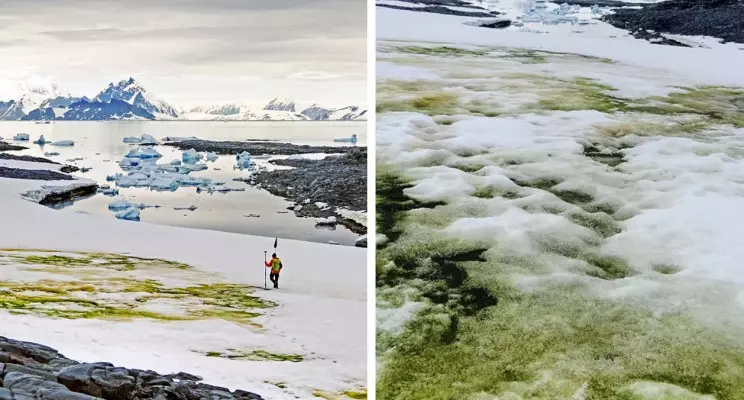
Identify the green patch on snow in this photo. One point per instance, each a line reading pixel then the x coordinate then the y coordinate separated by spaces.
pixel 720 104
pixel 666 269
pixel 432 103
pixel 485 192
pixel 360 394
pixel 608 267
pixel 526 56
pixel 391 201
pixel 581 94
pixel 599 222
pixel 441 51
pixel 547 345
pixel 114 287
pixel 572 196
pixel 255 355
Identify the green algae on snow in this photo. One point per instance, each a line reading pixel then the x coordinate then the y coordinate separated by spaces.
pixel 549 345
pixel 104 287
pixel 255 355
pixel 443 51
pixel 558 339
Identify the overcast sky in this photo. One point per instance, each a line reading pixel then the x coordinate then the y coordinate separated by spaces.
pixel 189 52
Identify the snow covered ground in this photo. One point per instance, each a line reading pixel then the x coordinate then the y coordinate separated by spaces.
pixel 562 215
pixel 189 313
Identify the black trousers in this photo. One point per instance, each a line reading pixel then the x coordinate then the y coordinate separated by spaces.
pixel 274 278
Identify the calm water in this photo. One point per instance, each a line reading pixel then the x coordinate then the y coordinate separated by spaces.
pixel 100 146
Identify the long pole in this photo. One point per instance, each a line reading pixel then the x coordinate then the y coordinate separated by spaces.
pixel 265 288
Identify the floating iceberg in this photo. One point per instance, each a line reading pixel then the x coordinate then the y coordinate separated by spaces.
pixel 191 156
pixel 108 191
pixel 21 137
pixel 326 221
pixel 129 214
pixel 120 204
pixel 143 152
pixel 64 143
pixel 352 139
pixel 41 140
pixel 145 139
pixel 127 162
pixel 164 183
pixel 218 187
pixel 149 139
pixel 244 160
pixel 175 162
pixel 212 156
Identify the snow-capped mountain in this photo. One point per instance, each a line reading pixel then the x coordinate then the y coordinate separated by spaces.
pixel 133 93
pixel 350 113
pixel 234 112
pixel 128 99
pixel 278 104
pixel 34 96
pixel 85 110
pixel 276 109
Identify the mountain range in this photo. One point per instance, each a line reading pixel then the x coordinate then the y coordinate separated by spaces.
pixel 129 100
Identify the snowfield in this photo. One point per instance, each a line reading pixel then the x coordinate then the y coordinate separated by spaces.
pixel 173 299
pixel 561 218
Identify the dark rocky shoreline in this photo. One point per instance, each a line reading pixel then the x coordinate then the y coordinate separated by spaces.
pixel 722 19
pixel 255 148
pixel 339 181
pixel 10 147
pixel 30 371
pixel 51 199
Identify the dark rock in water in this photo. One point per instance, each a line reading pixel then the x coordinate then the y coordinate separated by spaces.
pixel 5 156
pixel 76 193
pixel 35 372
pixel 10 147
pixel 69 169
pixel 722 19
pixel 498 24
pixel 37 175
pixel 255 148
pixel 602 3
pixel 480 13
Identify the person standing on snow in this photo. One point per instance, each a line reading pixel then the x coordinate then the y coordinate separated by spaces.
pixel 276 265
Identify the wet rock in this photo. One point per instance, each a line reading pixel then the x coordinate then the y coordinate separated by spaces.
pixel 10 147
pixel 6 156
pixel 37 175
pixel 446 7
pixel 255 148
pixel 36 372
pixel 497 24
pixel 76 193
